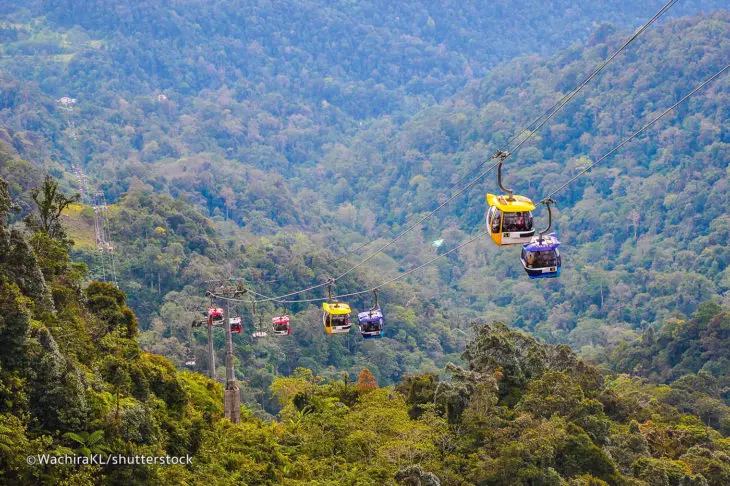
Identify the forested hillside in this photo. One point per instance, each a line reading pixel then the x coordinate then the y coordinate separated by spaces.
pixel 642 242
pixel 644 232
pixel 263 141
pixel 74 381
pixel 256 84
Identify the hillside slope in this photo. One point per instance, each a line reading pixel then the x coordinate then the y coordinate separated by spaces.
pixel 619 278
pixel 74 382
pixel 642 233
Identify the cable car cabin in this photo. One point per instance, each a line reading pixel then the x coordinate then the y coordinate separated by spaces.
pixel 281 325
pixel 336 317
pixel 542 259
pixel 235 323
pixel 215 316
pixel 371 324
pixel 510 222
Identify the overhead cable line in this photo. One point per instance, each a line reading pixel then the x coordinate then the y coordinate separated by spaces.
pixel 546 116
pixel 552 112
pixel 279 298
pixel 353 251
pixel 566 99
pixel 500 155
pixel 416 224
pixel 636 133
pixel 370 289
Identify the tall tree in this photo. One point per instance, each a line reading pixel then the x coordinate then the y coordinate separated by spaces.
pixel 51 203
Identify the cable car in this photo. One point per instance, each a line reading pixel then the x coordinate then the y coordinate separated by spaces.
pixel 541 257
pixel 336 317
pixel 260 333
pixel 215 316
pixel 235 323
pixel 509 220
pixel 371 323
pixel 281 325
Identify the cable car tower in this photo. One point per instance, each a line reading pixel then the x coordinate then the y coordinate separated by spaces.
pixel 103 241
pixel 218 316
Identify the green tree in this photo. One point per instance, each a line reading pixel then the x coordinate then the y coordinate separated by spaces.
pixel 88 444
pixel 51 203
pixel 107 302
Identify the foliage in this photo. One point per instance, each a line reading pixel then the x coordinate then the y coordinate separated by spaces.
pixel 225 179
pixel 51 203
pixel 222 160
pixel 520 412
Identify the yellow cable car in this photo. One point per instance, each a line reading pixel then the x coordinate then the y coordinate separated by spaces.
pixel 509 220
pixel 336 317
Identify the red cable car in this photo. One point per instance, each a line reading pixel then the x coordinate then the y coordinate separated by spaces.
pixel 215 316
pixel 281 325
pixel 235 323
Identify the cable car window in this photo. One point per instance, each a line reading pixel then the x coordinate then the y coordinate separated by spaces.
pixel 545 259
pixel 519 221
pixel 342 320
pixel 371 326
pixel 496 220
pixel 529 257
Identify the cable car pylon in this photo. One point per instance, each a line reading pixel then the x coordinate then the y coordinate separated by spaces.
pixel 217 316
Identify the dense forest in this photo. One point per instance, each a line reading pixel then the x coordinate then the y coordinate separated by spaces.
pixel 74 380
pixel 265 141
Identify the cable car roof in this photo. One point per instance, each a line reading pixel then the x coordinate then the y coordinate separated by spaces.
pixel 549 242
pixel 369 316
pixel 336 308
pixel 520 204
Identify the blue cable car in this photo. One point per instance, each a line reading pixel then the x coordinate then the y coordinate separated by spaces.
pixel 541 257
pixel 371 322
